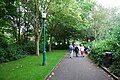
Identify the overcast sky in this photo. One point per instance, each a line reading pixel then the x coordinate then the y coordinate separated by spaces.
pixel 109 3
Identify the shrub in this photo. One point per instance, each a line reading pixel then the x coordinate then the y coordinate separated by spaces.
pixel 3 55
pixel 28 48
pixel 3 41
pixel 14 52
pixel 111 43
pixel 115 68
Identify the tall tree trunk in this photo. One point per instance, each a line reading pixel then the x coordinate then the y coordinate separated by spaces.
pixel 37 35
pixel 24 36
pixel 37 38
pixel 19 34
pixel 37 45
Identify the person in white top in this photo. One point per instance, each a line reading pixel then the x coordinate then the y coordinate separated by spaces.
pixel 71 50
pixel 82 50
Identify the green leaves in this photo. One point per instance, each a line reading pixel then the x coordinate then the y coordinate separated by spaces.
pixel 102 21
pixel 66 17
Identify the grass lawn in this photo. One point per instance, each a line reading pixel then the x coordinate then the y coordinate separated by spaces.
pixel 29 68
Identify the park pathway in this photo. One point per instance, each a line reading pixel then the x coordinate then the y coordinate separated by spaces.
pixel 78 68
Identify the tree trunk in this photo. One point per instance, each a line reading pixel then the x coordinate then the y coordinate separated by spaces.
pixel 37 44
pixel 18 35
pixel 24 38
pixel 37 35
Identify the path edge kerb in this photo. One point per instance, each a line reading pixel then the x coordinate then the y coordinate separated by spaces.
pixel 55 67
pixel 106 70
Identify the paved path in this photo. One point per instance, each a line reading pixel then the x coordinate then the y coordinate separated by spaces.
pixel 80 68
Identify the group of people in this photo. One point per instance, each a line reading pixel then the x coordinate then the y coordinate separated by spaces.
pixel 77 49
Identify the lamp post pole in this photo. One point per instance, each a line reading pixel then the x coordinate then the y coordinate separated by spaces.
pixel 44 30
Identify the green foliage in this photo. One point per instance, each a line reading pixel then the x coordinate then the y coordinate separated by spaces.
pixel 14 52
pixel 102 21
pixel 65 23
pixel 111 43
pixel 3 41
pixel 28 47
pixel 100 47
pixel 97 52
pixel 10 53
pixel 3 55
pixel 115 68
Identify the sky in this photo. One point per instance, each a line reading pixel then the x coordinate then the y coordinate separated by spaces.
pixel 109 3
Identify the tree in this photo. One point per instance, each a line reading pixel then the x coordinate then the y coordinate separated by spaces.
pixel 43 7
pixel 102 21
pixel 66 23
pixel 65 19
pixel 7 14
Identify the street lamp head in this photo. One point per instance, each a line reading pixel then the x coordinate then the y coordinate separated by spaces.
pixel 43 15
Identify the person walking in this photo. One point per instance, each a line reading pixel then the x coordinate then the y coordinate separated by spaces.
pixel 77 49
pixel 88 50
pixel 82 50
pixel 71 50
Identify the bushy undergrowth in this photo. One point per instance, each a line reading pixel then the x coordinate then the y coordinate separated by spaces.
pixel 14 52
pixel 111 44
pixel 3 41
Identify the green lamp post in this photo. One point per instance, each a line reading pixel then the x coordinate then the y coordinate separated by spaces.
pixel 44 30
